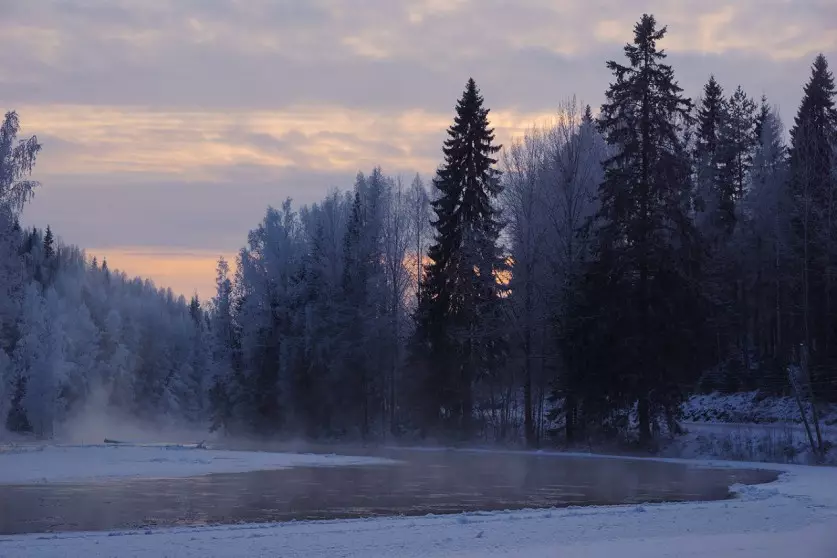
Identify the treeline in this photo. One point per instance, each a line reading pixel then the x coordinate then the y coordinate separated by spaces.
pixel 587 278
pixel 581 281
pixel 72 331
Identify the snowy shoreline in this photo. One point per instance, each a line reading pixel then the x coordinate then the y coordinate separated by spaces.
pixel 795 515
pixel 74 463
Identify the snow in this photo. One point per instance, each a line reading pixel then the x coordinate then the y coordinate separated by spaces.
pixel 43 464
pixel 772 442
pixel 795 516
pixel 749 407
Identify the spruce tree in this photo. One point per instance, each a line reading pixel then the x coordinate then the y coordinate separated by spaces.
pixel 710 117
pixel 761 117
pixel 812 163
pixel 49 244
pixel 194 307
pixel 587 118
pixel 647 248
pixel 458 314
pixel 713 198
pixel 737 145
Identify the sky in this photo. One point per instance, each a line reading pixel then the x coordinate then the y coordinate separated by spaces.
pixel 168 126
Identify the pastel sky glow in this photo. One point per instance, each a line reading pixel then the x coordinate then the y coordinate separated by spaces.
pixel 169 125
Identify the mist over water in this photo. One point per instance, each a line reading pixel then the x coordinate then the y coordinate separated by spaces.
pixel 98 419
pixel 422 482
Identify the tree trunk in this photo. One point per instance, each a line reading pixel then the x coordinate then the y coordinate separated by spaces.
pixel 794 386
pixel 644 416
pixel 529 424
pixel 569 419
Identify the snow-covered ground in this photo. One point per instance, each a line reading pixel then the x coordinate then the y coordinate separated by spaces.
pixel 38 464
pixel 795 516
pixel 749 407
pixel 751 427
pixel 773 442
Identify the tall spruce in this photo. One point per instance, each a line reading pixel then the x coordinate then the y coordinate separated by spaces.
pixel 714 199
pixel 647 248
pixel 49 244
pixel 762 116
pixel 812 163
pixel 710 117
pixel 458 330
pixel 738 142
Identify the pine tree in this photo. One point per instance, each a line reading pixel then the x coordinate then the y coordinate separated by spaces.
pixel 648 250
pixel 458 314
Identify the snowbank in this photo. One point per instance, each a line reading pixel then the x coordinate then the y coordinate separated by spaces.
pixel 748 407
pixel 751 427
pixel 778 443
pixel 795 516
pixel 39 464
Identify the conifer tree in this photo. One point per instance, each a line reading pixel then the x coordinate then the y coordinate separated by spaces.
pixel 763 114
pixel 223 348
pixel 737 142
pixel 49 244
pixel 643 277
pixel 812 163
pixel 714 199
pixel 710 117
pixel 587 118
pixel 458 315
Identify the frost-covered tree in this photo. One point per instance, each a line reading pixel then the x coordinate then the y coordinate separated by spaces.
pixel 17 159
pixel 223 347
pixel 396 238
pixel 269 270
pixel 38 359
pixel 364 300
pixel 419 221
pixel 767 250
pixel 550 181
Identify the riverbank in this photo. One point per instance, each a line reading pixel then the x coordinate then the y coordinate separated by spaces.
pixel 794 516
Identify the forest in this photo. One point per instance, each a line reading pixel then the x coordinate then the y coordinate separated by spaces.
pixel 578 283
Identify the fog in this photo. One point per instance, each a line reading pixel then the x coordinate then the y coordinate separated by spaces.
pixel 97 419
